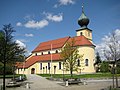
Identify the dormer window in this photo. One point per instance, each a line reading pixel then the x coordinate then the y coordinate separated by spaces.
pixel 56 51
pixel 48 52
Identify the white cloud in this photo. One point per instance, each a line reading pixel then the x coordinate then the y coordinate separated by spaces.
pixel 19 24
pixel 36 24
pixel 29 35
pixel 21 44
pixel 31 23
pixel 104 41
pixel 64 2
pixel 55 18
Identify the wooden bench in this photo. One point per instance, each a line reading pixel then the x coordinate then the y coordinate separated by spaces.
pixel 73 81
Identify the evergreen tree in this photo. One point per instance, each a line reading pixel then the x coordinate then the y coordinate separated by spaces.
pixel 10 51
pixel 97 62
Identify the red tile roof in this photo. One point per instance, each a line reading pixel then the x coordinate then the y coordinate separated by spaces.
pixel 58 43
pixel 32 60
pixel 81 41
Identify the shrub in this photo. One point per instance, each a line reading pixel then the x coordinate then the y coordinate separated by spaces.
pixel 104 67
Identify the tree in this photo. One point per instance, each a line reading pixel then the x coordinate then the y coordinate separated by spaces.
pixel 69 55
pixel 104 67
pixel 112 52
pixel 10 51
pixel 97 62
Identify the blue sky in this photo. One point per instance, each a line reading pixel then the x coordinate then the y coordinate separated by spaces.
pixel 37 21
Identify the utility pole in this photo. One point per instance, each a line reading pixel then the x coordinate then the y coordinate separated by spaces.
pixel 51 60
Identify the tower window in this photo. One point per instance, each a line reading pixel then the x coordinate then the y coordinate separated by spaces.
pixel 88 33
pixel 81 33
pixel 86 62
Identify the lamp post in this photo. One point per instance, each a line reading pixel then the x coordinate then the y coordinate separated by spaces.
pixel 51 60
pixel 23 65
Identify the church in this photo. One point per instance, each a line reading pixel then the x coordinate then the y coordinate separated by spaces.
pixel 45 58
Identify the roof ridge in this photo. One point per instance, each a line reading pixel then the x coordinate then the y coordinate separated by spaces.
pixel 55 39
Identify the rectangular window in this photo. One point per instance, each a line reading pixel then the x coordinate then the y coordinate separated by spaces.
pixel 59 65
pixel 40 66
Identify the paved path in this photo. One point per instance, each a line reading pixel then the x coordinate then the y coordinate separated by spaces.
pixel 40 83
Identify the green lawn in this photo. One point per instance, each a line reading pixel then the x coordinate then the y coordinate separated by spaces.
pixel 97 75
pixel 11 76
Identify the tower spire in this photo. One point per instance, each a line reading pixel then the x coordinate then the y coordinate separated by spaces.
pixel 83 21
pixel 82 7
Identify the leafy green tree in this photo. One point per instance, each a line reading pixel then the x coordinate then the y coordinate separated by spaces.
pixel 9 69
pixel 69 55
pixel 104 67
pixel 10 51
pixel 97 62
pixel 118 66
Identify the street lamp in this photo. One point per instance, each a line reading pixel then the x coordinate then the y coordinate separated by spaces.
pixel 23 65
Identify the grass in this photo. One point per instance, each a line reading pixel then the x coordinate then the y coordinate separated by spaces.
pixel 97 75
pixel 11 76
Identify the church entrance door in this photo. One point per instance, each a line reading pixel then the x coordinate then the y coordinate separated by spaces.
pixel 33 71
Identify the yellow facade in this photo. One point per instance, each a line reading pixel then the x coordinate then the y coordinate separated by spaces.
pixel 86 32
pixel 86 51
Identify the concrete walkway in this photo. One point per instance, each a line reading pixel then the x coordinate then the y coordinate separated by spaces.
pixel 40 83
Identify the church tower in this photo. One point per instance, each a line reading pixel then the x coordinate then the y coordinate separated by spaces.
pixel 83 21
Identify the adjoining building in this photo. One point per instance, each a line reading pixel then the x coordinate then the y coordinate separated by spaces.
pixel 45 58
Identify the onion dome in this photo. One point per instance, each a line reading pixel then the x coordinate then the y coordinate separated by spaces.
pixel 83 21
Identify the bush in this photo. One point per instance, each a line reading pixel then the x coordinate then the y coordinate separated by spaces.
pixel 104 67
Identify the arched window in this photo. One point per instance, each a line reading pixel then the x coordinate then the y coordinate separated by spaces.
pixel 86 62
pixel 35 54
pixel 40 66
pixel 81 33
pixel 42 53
pixel 48 65
pixel 59 65
pixel 78 62
pixel 48 52
pixel 56 51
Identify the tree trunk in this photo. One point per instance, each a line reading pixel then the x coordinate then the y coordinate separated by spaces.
pixel 4 75
pixel 113 72
pixel 71 72
pixel 116 77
